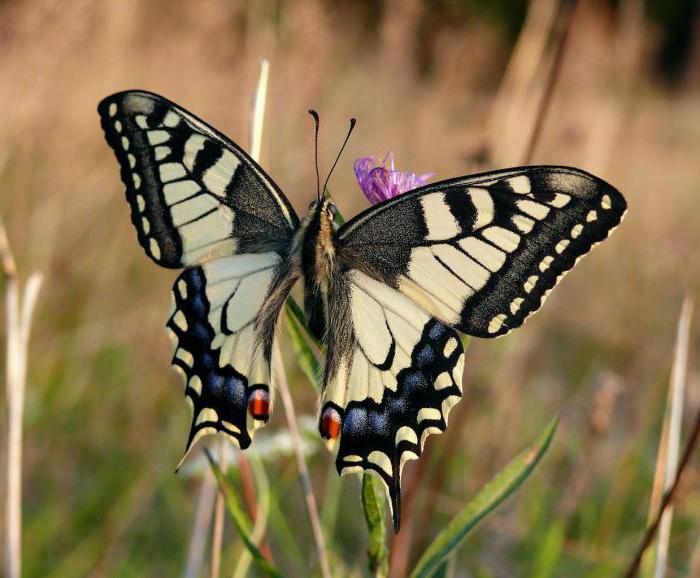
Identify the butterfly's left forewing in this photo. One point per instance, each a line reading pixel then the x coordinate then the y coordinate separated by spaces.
pixel 194 194
pixel 198 200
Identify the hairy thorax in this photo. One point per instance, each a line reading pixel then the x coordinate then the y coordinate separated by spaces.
pixel 315 257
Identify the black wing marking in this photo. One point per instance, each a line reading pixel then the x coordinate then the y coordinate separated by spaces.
pixel 222 324
pixel 481 253
pixel 390 382
pixel 194 194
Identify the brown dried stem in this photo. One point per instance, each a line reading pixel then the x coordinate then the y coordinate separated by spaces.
pixel 666 501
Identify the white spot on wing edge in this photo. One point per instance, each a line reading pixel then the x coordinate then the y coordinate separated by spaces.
pixel 381 460
pixel 450 347
pixel 562 245
pixel 546 262
pixel 112 109
pixel 530 283
pixel 195 384
pixel 515 305
pixel 406 433
pixel 207 414
pixel 496 323
pixel 155 248
pixel 180 320
pixel 185 356
pixel 429 413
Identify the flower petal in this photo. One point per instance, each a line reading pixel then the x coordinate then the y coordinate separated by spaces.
pixel 380 181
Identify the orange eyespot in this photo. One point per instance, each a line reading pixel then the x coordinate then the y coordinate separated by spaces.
pixel 331 423
pixel 259 404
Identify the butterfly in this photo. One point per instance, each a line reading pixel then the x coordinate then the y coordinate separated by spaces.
pixel 389 291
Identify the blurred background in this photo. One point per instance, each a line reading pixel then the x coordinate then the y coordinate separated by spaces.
pixel 451 87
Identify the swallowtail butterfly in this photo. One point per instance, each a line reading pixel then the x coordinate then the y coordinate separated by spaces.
pixel 388 291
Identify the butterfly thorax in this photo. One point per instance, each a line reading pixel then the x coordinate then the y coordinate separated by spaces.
pixel 315 253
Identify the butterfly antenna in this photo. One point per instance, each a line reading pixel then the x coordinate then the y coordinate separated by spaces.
pixel 317 121
pixel 342 148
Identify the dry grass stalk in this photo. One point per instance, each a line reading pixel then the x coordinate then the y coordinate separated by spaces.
pixel 200 528
pixel 219 519
pixel 674 418
pixel 261 511
pixel 661 523
pixel 278 365
pixel 563 33
pixel 514 92
pixel 257 121
pixel 20 307
pixel 281 380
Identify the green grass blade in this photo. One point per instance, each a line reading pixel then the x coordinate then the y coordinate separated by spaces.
pixel 490 496
pixel 375 515
pixel 240 519
pixel 305 355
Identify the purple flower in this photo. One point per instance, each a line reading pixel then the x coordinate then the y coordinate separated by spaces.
pixel 379 180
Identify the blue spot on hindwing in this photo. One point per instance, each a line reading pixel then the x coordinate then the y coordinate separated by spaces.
pixel 425 356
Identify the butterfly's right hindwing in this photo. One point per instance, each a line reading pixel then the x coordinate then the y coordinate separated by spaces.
pixel 194 194
pixel 393 375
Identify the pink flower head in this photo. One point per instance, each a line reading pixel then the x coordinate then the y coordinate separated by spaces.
pixel 379 180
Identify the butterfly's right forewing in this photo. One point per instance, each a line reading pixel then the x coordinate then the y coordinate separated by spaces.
pixel 482 252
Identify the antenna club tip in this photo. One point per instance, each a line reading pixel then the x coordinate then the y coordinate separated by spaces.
pixel 313 113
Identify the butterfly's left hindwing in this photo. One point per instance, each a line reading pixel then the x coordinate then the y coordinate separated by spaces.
pixel 393 374
pixel 222 324
pixel 481 253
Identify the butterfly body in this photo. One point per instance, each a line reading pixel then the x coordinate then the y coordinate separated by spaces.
pixel 387 292
pixel 318 266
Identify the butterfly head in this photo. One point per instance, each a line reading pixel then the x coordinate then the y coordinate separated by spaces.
pixel 326 209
